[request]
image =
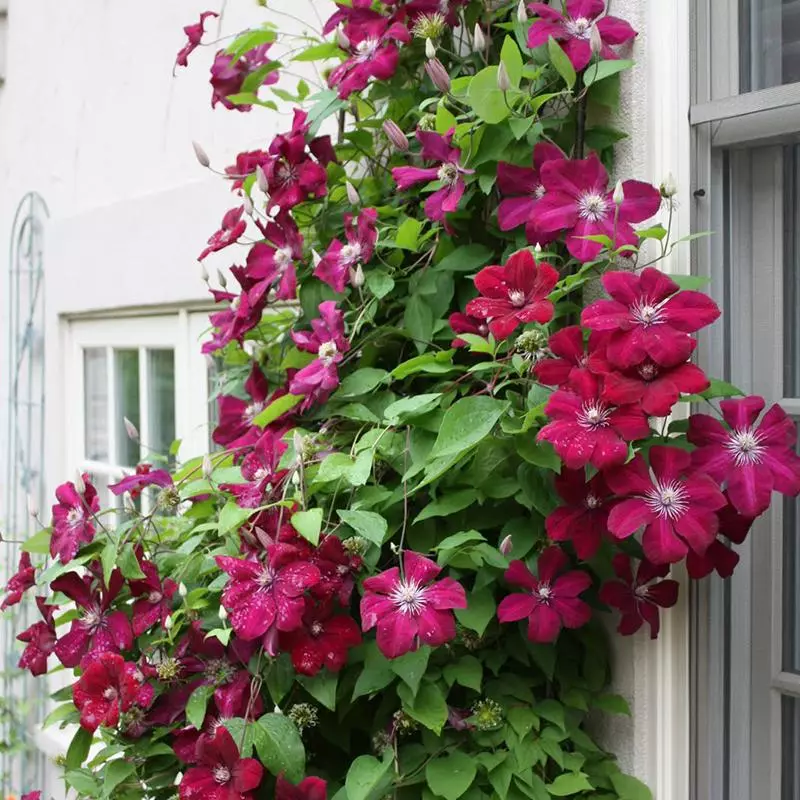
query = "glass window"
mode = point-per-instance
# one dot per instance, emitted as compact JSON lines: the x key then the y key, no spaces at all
{"x":126,"y":377}
{"x":161,"y":401}
{"x":769,"y":43}
{"x":95,"y":404}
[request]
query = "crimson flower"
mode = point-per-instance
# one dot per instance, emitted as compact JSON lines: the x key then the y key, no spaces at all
{"x":228,"y":73}
{"x":522,"y":188}
{"x":638,"y":598}
{"x":194,"y":34}
{"x":235,"y":428}
{"x":260,"y":471}
{"x":20,"y":582}
{"x":154,"y":604}
{"x":39,"y":639}
{"x":72,"y":519}
{"x":585,"y":429}
{"x":35,"y":795}
{"x":337,"y":568}
{"x":339,"y":259}
{"x":550,"y":601}
{"x":577,"y":199}
{"x":584,"y":520}
{"x":311,"y":788}
{"x":514,"y":294}
{"x":107,"y":687}
{"x":411,"y":608}
{"x":436,"y":147}
{"x":273,"y":262}
{"x":648,"y":317}
{"x":143,"y":476}
{"x":574,"y":357}
{"x":328,"y":341}
{"x":675,"y":505}
{"x":231,"y":229}
{"x":355,"y":12}
{"x":573,"y":29}
{"x":246,"y":164}
{"x":464,"y":323}
{"x":265,"y":597}
{"x":221,"y":773}
{"x":753,"y":459}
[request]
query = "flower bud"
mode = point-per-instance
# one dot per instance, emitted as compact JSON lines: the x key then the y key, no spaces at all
{"x":503,"y":79}
{"x":222,"y":613}
{"x":522,"y":12}
{"x":182,"y":590}
{"x":80,"y":484}
{"x":619,"y":194}
{"x":247,"y":202}
{"x":130,"y":430}
{"x":223,"y":281}
{"x":506,"y":545}
{"x":33,"y":509}
{"x":201,"y":155}
{"x":438,"y":75}
{"x":342,"y":39}
{"x":537,"y":248}
{"x":395,"y":135}
{"x":352,"y":194}
{"x":168,"y":623}
{"x":595,"y":40}
{"x":277,"y":710}
{"x":295,"y":478}
{"x":668,"y":186}
{"x":203,"y":272}
{"x":357,"y":277}
{"x":261,"y":180}
{"x":430,"y":49}
{"x":208,"y":467}
{"x":316,"y":258}
{"x":478,"y":39}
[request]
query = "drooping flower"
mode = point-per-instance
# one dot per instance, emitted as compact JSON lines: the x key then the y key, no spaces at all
{"x":339,"y":259}
{"x":246,"y":165}
{"x":231,"y":229}
{"x":73,"y":519}
{"x":438,"y":148}
{"x":577,"y":200}
{"x":39,"y":639}
{"x":648,"y":318}
{"x":585,"y":429}
{"x":573,"y":29}
{"x":311,"y":788}
{"x":675,"y":505}
{"x":141,"y":479}
{"x":228,"y":73}
{"x":550,"y":600}
{"x":753,"y":459}
{"x":573,"y":357}
{"x":464,"y":323}
{"x":514,"y":294}
{"x":260,"y":471}
{"x":522,"y":188}
{"x":411,"y":608}
{"x":273,"y":262}
{"x":154,"y":601}
{"x":194,"y":34}
{"x":20,"y":582}
{"x":638,"y":597}
{"x":221,"y":773}
{"x":584,"y":520}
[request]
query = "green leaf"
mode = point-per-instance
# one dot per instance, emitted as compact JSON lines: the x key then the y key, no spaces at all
{"x":434,"y":363}
{"x":83,"y":782}
{"x":322,"y":687}
{"x":467,"y":258}
{"x":629,"y":788}
{"x":280,"y":678}
{"x":108,"y":559}
{"x":409,"y":407}
{"x":552,"y":711}
{"x":486,"y":99}
{"x":450,"y":776}
{"x":560,"y":60}
{"x":60,"y":713}
{"x":418,"y":322}
{"x":512,"y":58}
{"x":411,"y":667}
{"x":379,"y":282}
{"x":232,"y":517}
{"x":520,"y":125}
{"x":465,"y":423}
{"x":692,"y":282}
{"x":129,"y":564}
{"x":428,"y":706}
{"x":308,"y":524}
{"x":479,"y":611}
{"x":367,"y":777}
{"x":117,"y":771}
{"x":459,"y":539}
{"x":277,"y":408}
{"x":722,"y":389}
{"x":604,"y":69}
{"x":198,"y":702}
{"x":539,"y":453}
{"x":249,"y":40}
{"x":78,"y":749}
{"x":407,"y":236}
{"x":39,"y":543}
{"x":467,"y":671}
{"x":449,"y":503}
{"x":612,"y":704}
{"x":368,"y":524}
{"x":279,"y":746}
{"x":319,"y":52}
{"x":377,"y":674}
{"x":569,"y":784}
{"x":444,"y":119}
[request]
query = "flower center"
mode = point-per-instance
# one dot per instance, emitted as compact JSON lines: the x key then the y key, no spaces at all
{"x":75,"y":517}
{"x":219,"y":671}
{"x":221,"y":774}
{"x":516,"y":297}
{"x":642,"y":592}
{"x":592,"y":206}
{"x":91,"y":618}
{"x":592,"y":501}
{"x":252,"y":411}
{"x":350,"y":253}
{"x":646,"y":313}
{"x":327,"y":352}
{"x":110,"y":693}
{"x":262,"y":473}
{"x":668,"y":499}
{"x":266,"y":578}
{"x":365,"y":50}
{"x":580,"y":27}
{"x":282,"y":258}
{"x":544,"y":593}
{"x":448,"y":173}
{"x":316,"y":628}
{"x":409,"y":597}
{"x":155,"y":597}
{"x":648,"y":371}
{"x":745,"y":446}
{"x":539,"y":191}
{"x":594,"y":415}
{"x":285,"y":173}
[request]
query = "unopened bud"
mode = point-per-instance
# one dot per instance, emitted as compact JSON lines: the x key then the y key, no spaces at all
{"x":352,"y":194}
{"x":203,"y":272}
{"x":299,"y":444}
{"x":261,"y":180}
{"x":430,"y":48}
{"x":295,"y":479}
{"x":168,"y":623}
{"x":357,"y":277}
{"x":668,"y":186}
{"x":80,"y":484}
{"x":182,"y":590}
{"x":223,"y":281}
{"x":277,"y":710}
{"x":33,"y":509}
{"x":438,"y":75}
{"x":396,"y":136}
{"x":522,"y":12}
{"x":503,"y":79}
{"x":316,"y":258}
{"x":249,"y":208}
{"x":342,"y":39}
{"x":478,"y":39}
{"x":222,"y":613}
{"x":201,"y":154}
{"x":130,"y":429}
{"x":595,"y":40}
{"x":208,"y":467}
{"x":537,"y":248}
{"x":619,"y":194}
{"x":506,"y":545}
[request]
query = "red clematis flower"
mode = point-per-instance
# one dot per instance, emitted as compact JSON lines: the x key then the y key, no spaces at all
{"x":19,"y":583}
{"x":522,"y":188}
{"x":308,"y":789}
{"x":753,"y":459}
{"x":339,"y":259}
{"x":260,"y":471}
{"x":514,"y":294}
{"x":550,"y":601}
{"x":231,"y":229}
{"x":584,"y":520}
{"x":573,"y":29}
{"x":143,"y":477}
{"x":221,"y":773}
{"x":228,"y":73}
{"x":194,"y":33}
{"x":246,"y":164}
{"x":352,"y":12}
{"x":464,"y":323}
{"x":638,"y":598}
{"x":35,"y":795}
{"x":648,"y":318}
{"x":72,"y":519}
{"x":273,"y":262}
{"x":154,"y":603}
{"x":411,"y":609}
{"x":337,"y":569}
{"x":577,"y":200}
{"x":39,"y":639}
{"x":585,"y":429}
{"x":574,"y":358}
{"x":675,"y":505}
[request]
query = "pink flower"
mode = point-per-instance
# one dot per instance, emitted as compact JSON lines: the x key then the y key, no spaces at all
{"x":585,"y":429}
{"x":549,"y":602}
{"x":221,"y":773}
{"x":464,"y":323}
{"x":273,"y":262}
{"x":522,"y":188}
{"x":675,"y":505}
{"x":39,"y":639}
{"x":35,"y":795}
{"x":260,"y":471}
{"x":20,"y":582}
{"x":154,"y":603}
{"x":339,"y":259}
{"x":574,"y":357}
{"x":638,"y":598}
{"x":584,"y":519}
{"x":308,"y":789}
{"x":648,"y":317}
{"x":753,"y":459}
{"x":449,"y":172}
{"x":246,"y":164}
{"x":355,"y":12}
{"x":577,"y":199}
{"x":413,"y":9}
{"x":142,"y":478}
{"x":73,"y":519}
{"x":319,"y":378}
{"x":231,"y":229}
{"x":411,"y":609}
{"x":229,"y":73}
{"x":573,"y":29}
{"x":514,"y":294}
{"x":194,"y":34}
{"x":107,"y":687}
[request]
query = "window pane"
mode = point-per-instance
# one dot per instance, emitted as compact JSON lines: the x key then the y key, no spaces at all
{"x":791,"y":585}
{"x":95,"y":404}
{"x":790,"y":747}
{"x":769,"y":43}
{"x":126,"y":381}
{"x":791,"y":272}
{"x":161,"y":402}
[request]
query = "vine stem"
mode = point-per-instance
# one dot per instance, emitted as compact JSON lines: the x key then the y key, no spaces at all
{"x":580,"y":119}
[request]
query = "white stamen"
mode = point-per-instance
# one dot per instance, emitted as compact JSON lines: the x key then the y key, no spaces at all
{"x":580,"y":27}
{"x":594,"y":415}
{"x":592,"y":501}
{"x":648,"y":371}
{"x":221,"y":774}
{"x":645,"y":312}
{"x":409,"y":597}
{"x":592,"y":206}
{"x":327,"y":352}
{"x":448,"y":173}
{"x":516,"y":297}
{"x":350,"y":253}
{"x":745,"y":446}
{"x":366,"y":50}
{"x":544,"y":593}
{"x":668,"y":500}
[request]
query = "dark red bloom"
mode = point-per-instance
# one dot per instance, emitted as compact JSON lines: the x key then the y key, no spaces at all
{"x":231,"y":229}
{"x":273,"y":262}
{"x":308,"y":789}
{"x":39,"y":639}
{"x":753,"y":459}
{"x":260,"y":471}
{"x":573,"y":358}
{"x":194,"y":34}
{"x":229,"y":73}
{"x":464,"y":323}
{"x":19,"y":583}
{"x":339,"y":259}
{"x":221,"y":773}
{"x":107,"y":687}
{"x":143,"y":477}
{"x":639,"y":598}
{"x":73,"y":519}
{"x":648,"y":317}
{"x":246,"y":164}
{"x":154,"y":604}
{"x":550,"y":601}
{"x":675,"y":505}
{"x":337,"y":569}
{"x":514,"y":294}
{"x":35,"y":795}
{"x":584,"y":520}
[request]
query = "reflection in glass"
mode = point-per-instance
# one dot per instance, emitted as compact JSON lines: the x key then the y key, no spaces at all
{"x":161,"y":400}
{"x":769,"y":43}
{"x":126,"y":380}
{"x":791,"y":271}
{"x":790,"y":748}
{"x":95,"y":404}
